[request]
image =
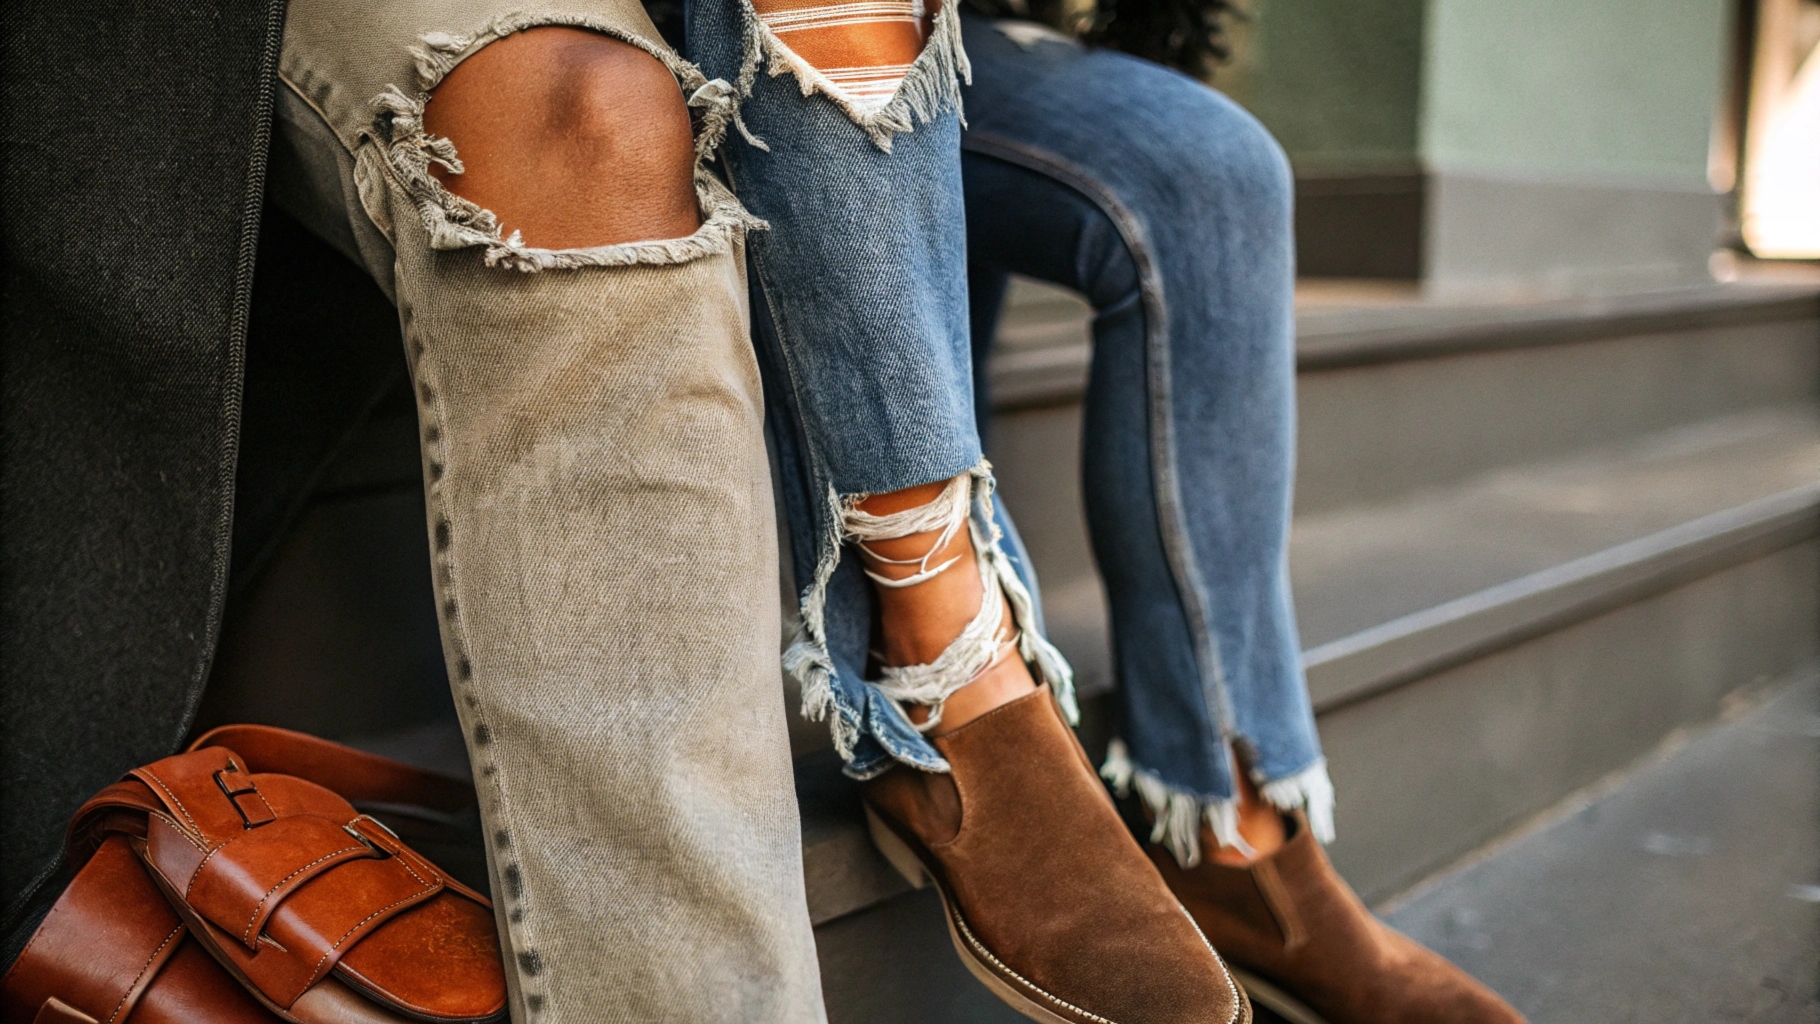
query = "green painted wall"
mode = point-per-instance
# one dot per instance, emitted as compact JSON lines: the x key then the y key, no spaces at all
{"x":1338,"y":81}
{"x":1573,"y":88}
{"x":1553,"y":88}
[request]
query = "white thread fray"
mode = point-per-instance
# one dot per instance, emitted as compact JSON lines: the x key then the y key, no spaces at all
{"x":1176,"y":814}
{"x":978,"y":646}
{"x":1041,"y":655}
{"x":947,"y":513}
{"x":456,"y":223}
{"x":807,"y":660}
{"x":965,"y":659}
{"x":931,"y":85}
{"x":1310,"y":789}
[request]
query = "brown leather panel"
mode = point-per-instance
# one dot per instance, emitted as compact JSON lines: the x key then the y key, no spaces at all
{"x":101,"y":945}
{"x":1046,"y":876}
{"x":186,"y":784}
{"x":279,"y":879}
{"x":173,"y":852}
{"x":928,"y":803}
{"x":193,"y":989}
{"x":311,"y":931}
{"x":243,"y":881}
{"x":1350,"y":967}
{"x":439,"y":960}
{"x":355,"y":775}
{"x":56,"y":1011}
{"x":1236,"y":891}
{"x":331,"y":1002}
{"x":121,"y":807}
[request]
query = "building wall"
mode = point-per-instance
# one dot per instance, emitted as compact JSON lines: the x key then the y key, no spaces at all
{"x":1494,"y":144}
{"x":1593,"y":89}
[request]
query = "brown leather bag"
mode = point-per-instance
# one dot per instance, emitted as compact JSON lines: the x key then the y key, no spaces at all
{"x":236,"y":883}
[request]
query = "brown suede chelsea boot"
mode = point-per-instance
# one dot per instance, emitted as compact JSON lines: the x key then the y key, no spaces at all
{"x":1306,"y":947}
{"x":1050,"y":901}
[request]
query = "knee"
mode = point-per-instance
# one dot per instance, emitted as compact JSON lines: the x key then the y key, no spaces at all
{"x":1230,"y":167}
{"x":570,"y":137}
{"x":1256,"y":165}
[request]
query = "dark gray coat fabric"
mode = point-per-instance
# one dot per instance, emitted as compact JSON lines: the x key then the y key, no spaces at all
{"x":132,"y":151}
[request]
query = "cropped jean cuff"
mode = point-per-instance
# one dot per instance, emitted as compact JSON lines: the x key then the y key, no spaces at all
{"x":870,"y":729}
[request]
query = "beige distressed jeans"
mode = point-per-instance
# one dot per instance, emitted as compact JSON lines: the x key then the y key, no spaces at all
{"x":600,"y":522}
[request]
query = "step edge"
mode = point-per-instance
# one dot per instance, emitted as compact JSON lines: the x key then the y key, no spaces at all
{"x":1057,"y":375}
{"x":1372,"y":661}
{"x":1574,"y":322}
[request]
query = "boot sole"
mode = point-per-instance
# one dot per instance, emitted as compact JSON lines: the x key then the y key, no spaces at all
{"x":974,"y":956}
{"x":1275,"y":999}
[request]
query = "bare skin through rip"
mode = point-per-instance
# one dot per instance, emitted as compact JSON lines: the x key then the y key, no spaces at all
{"x":573,"y":138}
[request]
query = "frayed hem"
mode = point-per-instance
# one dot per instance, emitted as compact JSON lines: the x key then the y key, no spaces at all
{"x":456,"y":223}
{"x":932,"y":85}
{"x":1036,"y":650}
{"x":1310,"y":790}
{"x":1178,"y":814}
{"x":807,"y":660}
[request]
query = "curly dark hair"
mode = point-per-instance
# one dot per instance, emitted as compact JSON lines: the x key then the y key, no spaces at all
{"x":1188,"y":35}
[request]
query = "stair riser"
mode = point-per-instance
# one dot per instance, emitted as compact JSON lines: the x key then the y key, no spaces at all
{"x":1432,"y":770}
{"x":1370,"y":433}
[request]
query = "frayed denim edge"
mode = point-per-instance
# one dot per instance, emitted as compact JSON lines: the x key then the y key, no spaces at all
{"x":1178,"y":813}
{"x":932,"y":85}
{"x":456,"y":223}
{"x":808,"y":662}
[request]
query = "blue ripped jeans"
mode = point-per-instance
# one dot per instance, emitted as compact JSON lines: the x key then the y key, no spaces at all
{"x":1168,"y":207}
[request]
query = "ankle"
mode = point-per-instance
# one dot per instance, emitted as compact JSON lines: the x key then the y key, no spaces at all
{"x":933,"y":591}
{"x":920,"y":621}
{"x":1261,"y":826}
{"x":999,"y":685}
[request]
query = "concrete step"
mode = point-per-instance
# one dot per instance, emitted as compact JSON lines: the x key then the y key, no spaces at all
{"x":1686,"y":891}
{"x":1489,"y":627}
{"x":1398,"y":394}
{"x":1630,"y":587}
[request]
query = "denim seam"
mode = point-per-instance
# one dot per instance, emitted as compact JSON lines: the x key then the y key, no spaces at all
{"x":516,"y":922}
{"x":1176,"y":546}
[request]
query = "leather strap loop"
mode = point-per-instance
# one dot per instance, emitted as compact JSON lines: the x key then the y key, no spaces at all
{"x":359,"y":777}
{"x":238,"y":786}
{"x":258,"y":865}
{"x":56,"y":1011}
{"x":240,"y":883}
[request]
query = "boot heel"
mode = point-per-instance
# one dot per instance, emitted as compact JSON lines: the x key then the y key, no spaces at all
{"x":895,"y":850}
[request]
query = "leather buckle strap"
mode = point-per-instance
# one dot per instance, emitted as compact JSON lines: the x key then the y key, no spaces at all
{"x":56,"y":1011}
{"x":238,"y":786}
{"x":241,"y":883}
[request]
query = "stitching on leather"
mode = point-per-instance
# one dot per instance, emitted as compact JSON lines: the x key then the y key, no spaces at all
{"x":207,"y":856}
{"x":172,"y":798}
{"x":996,"y":962}
{"x":1231,"y":987}
{"x":1238,"y":1000}
{"x":406,"y":864}
{"x":248,"y":930}
{"x":178,"y":830}
{"x":149,"y":961}
{"x":337,"y":944}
